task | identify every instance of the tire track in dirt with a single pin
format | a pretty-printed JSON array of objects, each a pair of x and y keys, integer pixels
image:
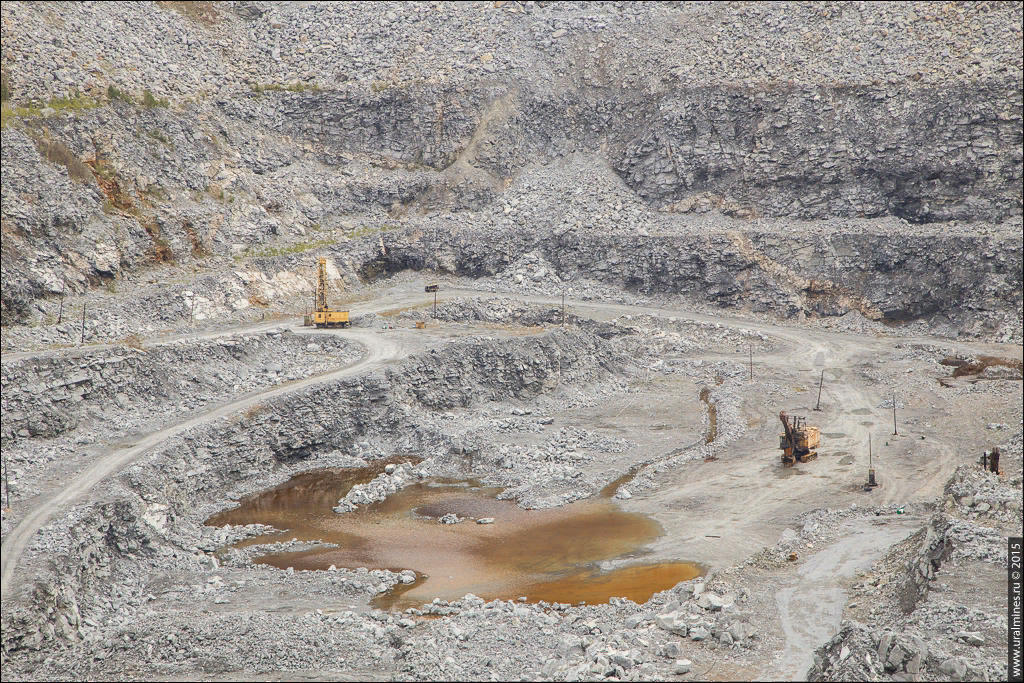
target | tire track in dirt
[{"x": 810, "y": 604}]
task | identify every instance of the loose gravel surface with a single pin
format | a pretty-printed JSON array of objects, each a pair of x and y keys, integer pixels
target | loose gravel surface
[
  {"x": 167, "y": 579},
  {"x": 653, "y": 227}
]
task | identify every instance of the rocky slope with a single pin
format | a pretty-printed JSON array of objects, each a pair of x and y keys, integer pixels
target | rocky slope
[
  {"x": 186, "y": 143},
  {"x": 931, "y": 608}
]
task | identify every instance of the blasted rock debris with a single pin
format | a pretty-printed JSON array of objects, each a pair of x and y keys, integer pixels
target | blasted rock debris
[
  {"x": 589, "y": 252},
  {"x": 488, "y": 116}
]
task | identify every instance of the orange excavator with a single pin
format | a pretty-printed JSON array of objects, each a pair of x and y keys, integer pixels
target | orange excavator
[{"x": 798, "y": 441}]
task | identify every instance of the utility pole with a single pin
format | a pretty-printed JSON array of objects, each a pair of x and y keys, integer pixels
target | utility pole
[
  {"x": 563, "y": 308},
  {"x": 7, "y": 481},
  {"x": 895, "y": 432},
  {"x": 435, "y": 304},
  {"x": 751, "y": 361},
  {"x": 820, "y": 383},
  {"x": 872, "y": 481},
  {"x": 192, "y": 311},
  {"x": 83, "y": 323},
  {"x": 60, "y": 313}
]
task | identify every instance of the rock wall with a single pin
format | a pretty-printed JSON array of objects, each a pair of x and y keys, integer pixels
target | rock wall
[
  {"x": 285, "y": 120},
  {"x": 922, "y": 154},
  {"x": 960, "y": 283},
  {"x": 102, "y": 534},
  {"x": 935, "y": 548},
  {"x": 46, "y": 396}
]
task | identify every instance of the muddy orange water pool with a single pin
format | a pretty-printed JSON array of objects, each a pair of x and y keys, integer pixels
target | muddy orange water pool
[{"x": 550, "y": 555}]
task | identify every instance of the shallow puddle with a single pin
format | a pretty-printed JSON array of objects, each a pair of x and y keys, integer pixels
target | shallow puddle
[
  {"x": 548, "y": 555},
  {"x": 787, "y": 472},
  {"x": 612, "y": 487}
]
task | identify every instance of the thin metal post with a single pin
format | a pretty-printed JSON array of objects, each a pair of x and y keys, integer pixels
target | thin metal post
[
  {"x": 820, "y": 383},
  {"x": 7, "y": 481},
  {"x": 895, "y": 432},
  {"x": 83, "y": 323},
  {"x": 751, "y": 361},
  {"x": 563, "y": 308},
  {"x": 435, "y": 304},
  {"x": 60, "y": 313},
  {"x": 869, "y": 452}
]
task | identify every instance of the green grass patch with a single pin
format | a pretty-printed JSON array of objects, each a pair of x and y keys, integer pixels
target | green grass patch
[
  {"x": 60, "y": 105},
  {"x": 160, "y": 137},
  {"x": 116, "y": 94},
  {"x": 149, "y": 100}
]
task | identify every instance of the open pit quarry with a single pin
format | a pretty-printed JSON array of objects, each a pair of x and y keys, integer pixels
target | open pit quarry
[{"x": 652, "y": 227}]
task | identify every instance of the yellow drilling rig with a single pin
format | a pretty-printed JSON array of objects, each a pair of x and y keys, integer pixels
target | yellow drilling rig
[{"x": 322, "y": 315}]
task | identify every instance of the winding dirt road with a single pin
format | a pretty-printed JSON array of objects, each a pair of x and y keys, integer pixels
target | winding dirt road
[
  {"x": 743, "y": 498},
  {"x": 379, "y": 350},
  {"x": 810, "y": 607}
]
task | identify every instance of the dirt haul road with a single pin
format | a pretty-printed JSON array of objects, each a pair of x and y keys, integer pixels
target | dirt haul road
[
  {"x": 380, "y": 350},
  {"x": 745, "y": 498},
  {"x": 810, "y": 607}
]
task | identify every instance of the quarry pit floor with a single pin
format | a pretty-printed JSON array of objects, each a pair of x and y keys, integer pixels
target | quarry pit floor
[{"x": 712, "y": 514}]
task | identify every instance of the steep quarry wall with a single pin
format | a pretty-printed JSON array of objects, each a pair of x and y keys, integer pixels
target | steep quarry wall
[
  {"x": 921, "y": 153},
  {"x": 960, "y": 283},
  {"x": 278, "y": 122},
  {"x": 50, "y": 395}
]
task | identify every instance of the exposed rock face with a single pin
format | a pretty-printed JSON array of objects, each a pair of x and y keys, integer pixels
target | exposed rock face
[
  {"x": 45, "y": 397},
  {"x": 104, "y": 533},
  {"x": 935, "y": 548},
  {"x": 916, "y": 152},
  {"x": 396, "y": 112},
  {"x": 921, "y": 154},
  {"x": 957, "y": 281}
]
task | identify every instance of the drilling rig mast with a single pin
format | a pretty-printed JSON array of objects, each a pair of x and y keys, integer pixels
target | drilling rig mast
[{"x": 322, "y": 315}]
